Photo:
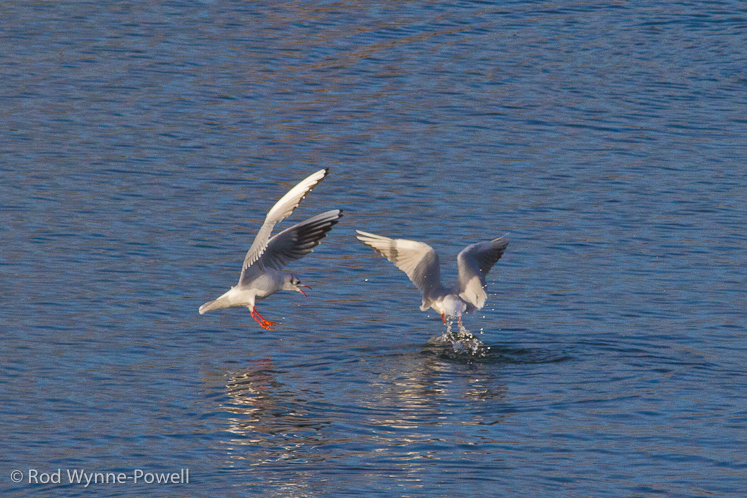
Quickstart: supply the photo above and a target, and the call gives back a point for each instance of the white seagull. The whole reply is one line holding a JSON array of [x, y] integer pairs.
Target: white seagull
[[420, 262], [261, 274]]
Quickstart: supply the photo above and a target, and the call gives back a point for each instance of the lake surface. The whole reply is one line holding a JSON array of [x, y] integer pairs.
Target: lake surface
[[143, 143]]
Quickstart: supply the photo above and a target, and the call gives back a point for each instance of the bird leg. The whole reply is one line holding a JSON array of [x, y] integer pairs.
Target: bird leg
[[459, 318], [265, 324]]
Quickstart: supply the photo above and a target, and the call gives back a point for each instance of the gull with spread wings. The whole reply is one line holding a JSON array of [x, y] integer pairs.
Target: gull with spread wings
[[420, 262], [261, 274]]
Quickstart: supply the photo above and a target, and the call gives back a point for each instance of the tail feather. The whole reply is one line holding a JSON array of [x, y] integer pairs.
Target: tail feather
[[221, 302]]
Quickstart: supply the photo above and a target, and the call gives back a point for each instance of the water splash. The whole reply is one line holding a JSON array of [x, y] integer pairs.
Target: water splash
[[461, 340]]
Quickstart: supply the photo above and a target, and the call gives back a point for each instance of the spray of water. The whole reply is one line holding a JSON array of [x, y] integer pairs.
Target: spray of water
[[461, 340]]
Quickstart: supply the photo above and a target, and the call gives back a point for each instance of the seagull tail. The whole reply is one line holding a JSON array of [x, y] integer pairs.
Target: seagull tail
[[221, 302]]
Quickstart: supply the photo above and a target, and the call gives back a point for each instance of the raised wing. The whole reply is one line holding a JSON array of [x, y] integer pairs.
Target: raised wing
[[280, 211], [475, 261], [292, 243], [418, 260]]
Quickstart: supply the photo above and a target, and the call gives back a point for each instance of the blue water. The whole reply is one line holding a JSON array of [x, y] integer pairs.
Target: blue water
[[142, 144]]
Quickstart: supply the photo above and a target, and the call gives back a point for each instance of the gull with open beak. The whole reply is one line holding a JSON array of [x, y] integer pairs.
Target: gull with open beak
[[261, 274], [420, 262]]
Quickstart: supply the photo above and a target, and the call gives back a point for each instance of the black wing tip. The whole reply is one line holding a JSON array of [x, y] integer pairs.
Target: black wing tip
[[324, 175], [332, 215], [504, 239]]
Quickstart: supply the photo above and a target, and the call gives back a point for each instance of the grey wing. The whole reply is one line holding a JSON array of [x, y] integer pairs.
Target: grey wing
[[418, 260], [280, 211], [475, 261], [293, 243]]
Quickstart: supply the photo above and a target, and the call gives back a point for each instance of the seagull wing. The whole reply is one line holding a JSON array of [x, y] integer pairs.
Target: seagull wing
[[280, 211], [418, 260], [475, 261], [292, 243]]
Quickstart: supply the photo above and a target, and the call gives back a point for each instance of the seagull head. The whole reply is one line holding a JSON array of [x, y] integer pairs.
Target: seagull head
[[292, 282]]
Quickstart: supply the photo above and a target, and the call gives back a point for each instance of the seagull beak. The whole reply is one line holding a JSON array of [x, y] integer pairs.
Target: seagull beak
[[301, 291]]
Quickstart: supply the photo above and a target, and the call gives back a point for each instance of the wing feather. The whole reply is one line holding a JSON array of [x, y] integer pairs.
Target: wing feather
[[292, 243], [280, 211], [417, 259], [475, 261]]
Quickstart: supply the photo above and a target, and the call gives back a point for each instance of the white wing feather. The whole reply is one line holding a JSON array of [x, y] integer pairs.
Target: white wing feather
[[292, 243], [280, 211], [475, 261], [418, 260]]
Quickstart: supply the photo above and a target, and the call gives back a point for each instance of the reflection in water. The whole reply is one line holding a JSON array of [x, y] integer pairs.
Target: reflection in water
[[401, 418], [428, 388], [248, 392], [266, 414]]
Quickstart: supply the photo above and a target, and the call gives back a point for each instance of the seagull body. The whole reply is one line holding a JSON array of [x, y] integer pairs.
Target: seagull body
[[421, 264], [261, 274]]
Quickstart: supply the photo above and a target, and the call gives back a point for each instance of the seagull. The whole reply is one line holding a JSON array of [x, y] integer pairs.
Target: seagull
[[261, 274], [420, 262]]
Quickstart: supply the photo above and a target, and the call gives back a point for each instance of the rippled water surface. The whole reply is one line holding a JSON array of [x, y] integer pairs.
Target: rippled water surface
[[142, 144]]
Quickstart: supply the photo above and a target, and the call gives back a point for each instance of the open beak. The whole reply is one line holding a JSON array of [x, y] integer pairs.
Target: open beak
[[302, 285]]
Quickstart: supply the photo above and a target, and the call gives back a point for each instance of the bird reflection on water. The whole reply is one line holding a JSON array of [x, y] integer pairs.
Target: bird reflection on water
[[284, 426], [287, 416]]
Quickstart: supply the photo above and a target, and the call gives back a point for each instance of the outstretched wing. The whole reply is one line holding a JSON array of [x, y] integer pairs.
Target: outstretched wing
[[418, 260], [292, 243], [280, 211], [475, 261]]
